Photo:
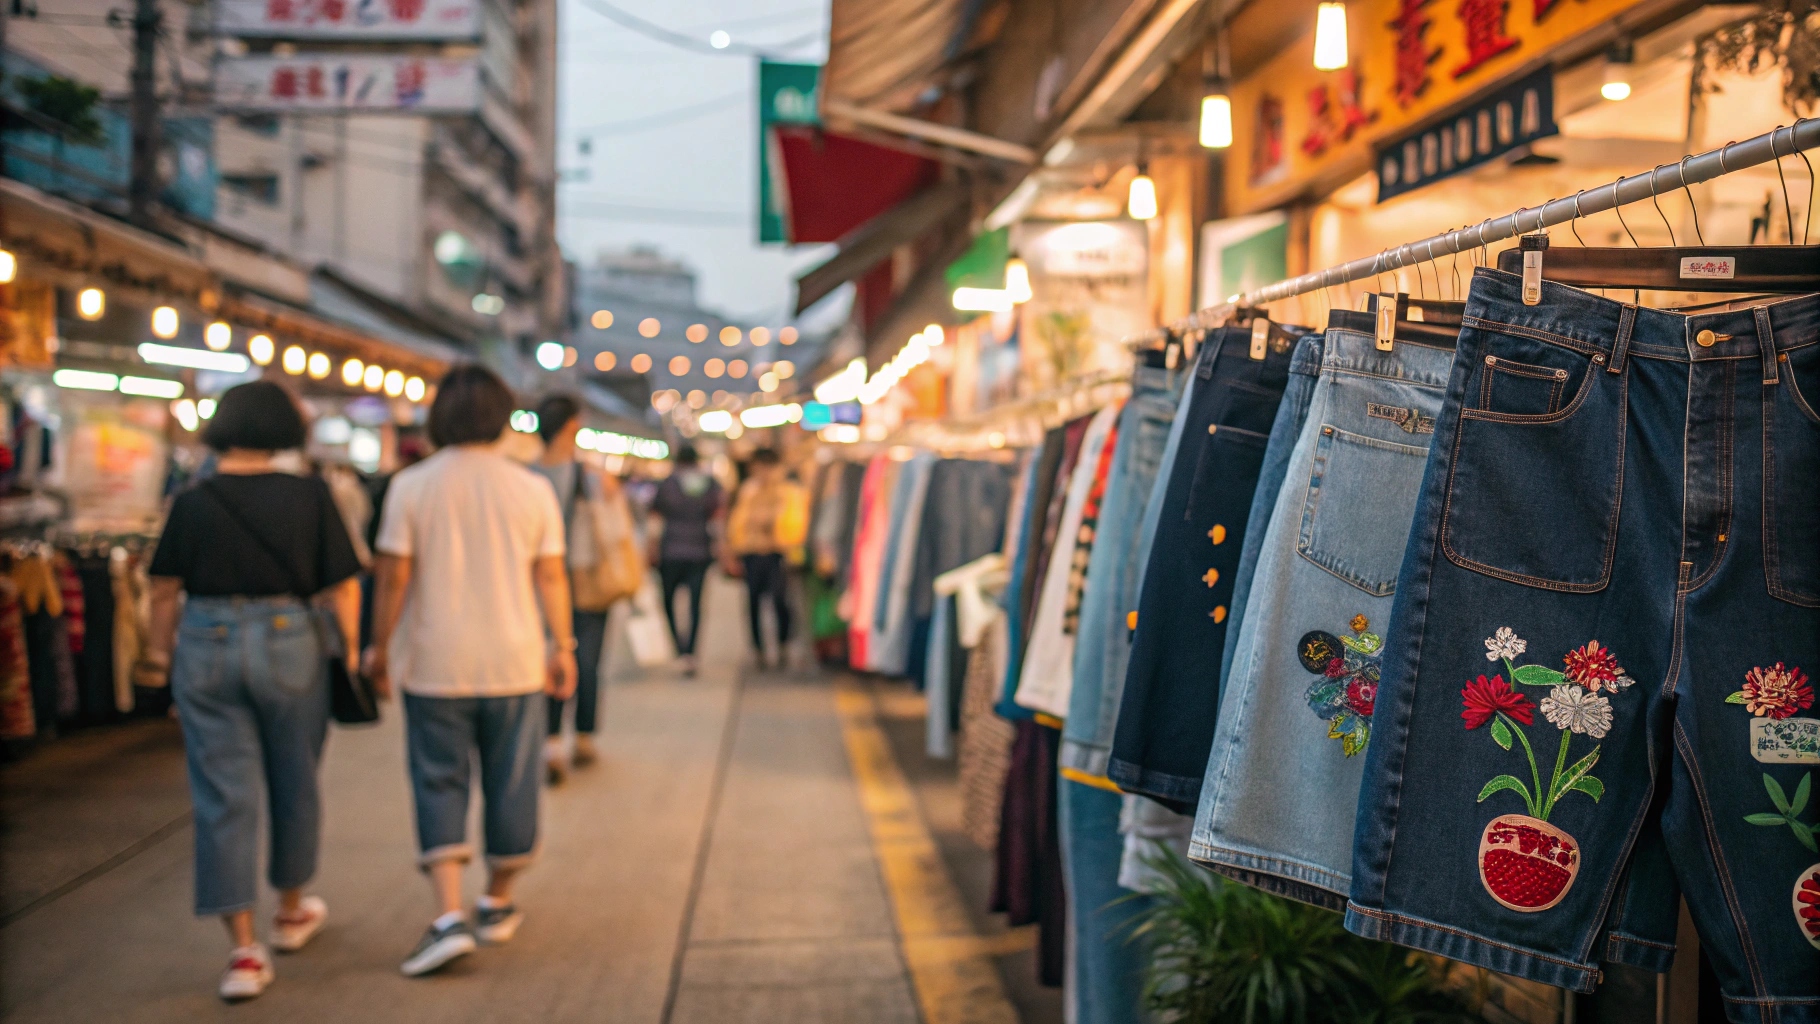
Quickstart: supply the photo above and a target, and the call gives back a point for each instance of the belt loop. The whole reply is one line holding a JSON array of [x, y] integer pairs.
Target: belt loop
[[1627, 320], [1766, 340]]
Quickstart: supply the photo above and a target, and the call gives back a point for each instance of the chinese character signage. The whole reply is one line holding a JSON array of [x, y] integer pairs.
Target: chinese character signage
[[1415, 64], [349, 19], [338, 82], [786, 95], [1504, 120]]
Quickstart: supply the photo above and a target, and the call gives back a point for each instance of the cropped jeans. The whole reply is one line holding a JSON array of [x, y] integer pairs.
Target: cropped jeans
[[253, 697]]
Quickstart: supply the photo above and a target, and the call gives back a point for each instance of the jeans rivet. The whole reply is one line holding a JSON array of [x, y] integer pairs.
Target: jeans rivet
[[1491, 360], [1705, 339]]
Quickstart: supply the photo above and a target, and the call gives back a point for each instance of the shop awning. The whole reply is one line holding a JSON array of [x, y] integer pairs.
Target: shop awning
[[836, 183], [73, 246], [883, 54], [871, 243]]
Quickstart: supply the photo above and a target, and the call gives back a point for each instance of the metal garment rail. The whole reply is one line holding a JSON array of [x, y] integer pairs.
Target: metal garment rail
[[1691, 170]]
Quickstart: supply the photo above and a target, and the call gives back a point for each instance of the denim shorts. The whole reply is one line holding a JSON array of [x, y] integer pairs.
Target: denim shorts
[[1595, 686], [1282, 781], [1103, 641], [445, 737], [1171, 697]]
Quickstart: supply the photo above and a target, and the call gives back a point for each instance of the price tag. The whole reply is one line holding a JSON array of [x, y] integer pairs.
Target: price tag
[[1260, 336]]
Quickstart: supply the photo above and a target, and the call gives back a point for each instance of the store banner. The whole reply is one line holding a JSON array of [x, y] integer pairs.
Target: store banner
[[1242, 254], [786, 96], [1414, 62], [349, 19], [343, 82], [1505, 120], [1092, 290]]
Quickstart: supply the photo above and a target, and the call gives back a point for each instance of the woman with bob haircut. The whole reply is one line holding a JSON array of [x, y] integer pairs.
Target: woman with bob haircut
[[469, 583], [250, 548]]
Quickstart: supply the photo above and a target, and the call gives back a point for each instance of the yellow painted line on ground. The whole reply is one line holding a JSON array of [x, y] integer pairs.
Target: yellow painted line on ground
[[950, 964]]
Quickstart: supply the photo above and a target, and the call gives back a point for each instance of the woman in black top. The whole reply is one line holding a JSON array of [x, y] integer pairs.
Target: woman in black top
[[250, 547]]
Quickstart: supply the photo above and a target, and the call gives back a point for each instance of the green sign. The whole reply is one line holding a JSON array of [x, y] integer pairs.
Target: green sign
[[983, 264], [786, 95]]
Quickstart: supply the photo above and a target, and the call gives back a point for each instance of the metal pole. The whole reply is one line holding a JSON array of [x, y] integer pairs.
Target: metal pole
[[142, 187], [1804, 134]]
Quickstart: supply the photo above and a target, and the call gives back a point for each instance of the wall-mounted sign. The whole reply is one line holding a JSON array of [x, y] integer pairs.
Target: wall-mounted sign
[[1412, 62], [349, 19], [340, 82], [786, 95], [1503, 120]]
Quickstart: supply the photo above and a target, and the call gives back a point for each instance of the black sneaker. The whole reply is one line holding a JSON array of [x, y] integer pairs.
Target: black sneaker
[[497, 925], [439, 946]]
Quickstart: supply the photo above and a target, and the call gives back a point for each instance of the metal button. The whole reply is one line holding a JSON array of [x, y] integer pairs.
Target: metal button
[[1705, 339]]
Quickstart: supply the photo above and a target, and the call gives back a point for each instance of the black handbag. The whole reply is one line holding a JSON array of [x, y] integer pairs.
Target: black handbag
[[353, 700]]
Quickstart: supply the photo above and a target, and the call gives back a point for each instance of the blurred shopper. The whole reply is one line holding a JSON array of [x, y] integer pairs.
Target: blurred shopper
[[688, 504], [769, 521], [470, 576], [251, 547], [558, 421]]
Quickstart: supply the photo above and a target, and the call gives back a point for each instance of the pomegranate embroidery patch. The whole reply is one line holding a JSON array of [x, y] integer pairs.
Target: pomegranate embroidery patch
[[1807, 905], [1346, 688], [1525, 863]]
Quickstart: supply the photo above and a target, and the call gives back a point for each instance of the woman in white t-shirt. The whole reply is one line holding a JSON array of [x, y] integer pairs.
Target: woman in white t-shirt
[[469, 583]]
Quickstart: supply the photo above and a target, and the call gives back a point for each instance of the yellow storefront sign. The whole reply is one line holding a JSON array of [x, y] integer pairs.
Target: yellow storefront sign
[[1300, 129]]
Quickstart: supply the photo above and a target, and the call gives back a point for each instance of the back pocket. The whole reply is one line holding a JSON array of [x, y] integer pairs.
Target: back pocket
[[1361, 500], [1791, 481]]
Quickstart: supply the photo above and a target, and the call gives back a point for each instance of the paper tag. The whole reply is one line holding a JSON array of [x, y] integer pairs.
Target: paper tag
[[1414, 314], [1708, 268], [1532, 277], [1387, 321], [1788, 741], [1260, 334]]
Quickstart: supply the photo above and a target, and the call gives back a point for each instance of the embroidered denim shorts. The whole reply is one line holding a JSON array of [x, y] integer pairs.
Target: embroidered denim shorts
[[1282, 781], [1171, 696], [1595, 685], [1103, 641]]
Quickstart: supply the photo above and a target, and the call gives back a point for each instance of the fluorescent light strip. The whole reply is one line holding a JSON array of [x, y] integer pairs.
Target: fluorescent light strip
[[85, 380], [194, 358], [151, 387]]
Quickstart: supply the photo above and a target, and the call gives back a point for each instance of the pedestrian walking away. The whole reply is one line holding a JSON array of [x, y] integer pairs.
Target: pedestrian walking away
[[244, 554], [688, 510], [473, 623], [765, 531], [558, 424]]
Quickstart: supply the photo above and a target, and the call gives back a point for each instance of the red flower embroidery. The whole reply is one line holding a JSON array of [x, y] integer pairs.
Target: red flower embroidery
[[1486, 697], [1593, 666], [1336, 667], [1362, 696], [1777, 692]]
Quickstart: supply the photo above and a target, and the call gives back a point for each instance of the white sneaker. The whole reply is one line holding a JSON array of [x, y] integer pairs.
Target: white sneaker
[[495, 926], [290, 934], [555, 760], [439, 946], [248, 973]]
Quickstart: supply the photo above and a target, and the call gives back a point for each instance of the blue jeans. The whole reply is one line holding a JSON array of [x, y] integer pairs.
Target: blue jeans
[[1103, 641], [1170, 703], [251, 692], [1108, 963], [590, 636], [1282, 784], [1595, 684], [443, 736]]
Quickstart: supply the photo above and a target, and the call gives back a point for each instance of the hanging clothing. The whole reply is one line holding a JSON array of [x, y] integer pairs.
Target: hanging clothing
[[984, 754], [17, 718]]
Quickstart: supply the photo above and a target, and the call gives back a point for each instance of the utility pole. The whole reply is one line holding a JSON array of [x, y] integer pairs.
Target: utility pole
[[142, 190]]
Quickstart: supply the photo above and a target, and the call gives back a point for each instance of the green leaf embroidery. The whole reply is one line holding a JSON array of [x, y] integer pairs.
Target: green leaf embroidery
[[1801, 792], [1580, 770], [1805, 835], [1500, 733], [1776, 795], [1736, 698], [1506, 782], [1537, 675], [1590, 786], [1765, 818]]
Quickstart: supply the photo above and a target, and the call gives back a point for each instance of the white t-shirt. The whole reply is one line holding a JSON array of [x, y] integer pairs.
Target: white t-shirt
[[472, 521]]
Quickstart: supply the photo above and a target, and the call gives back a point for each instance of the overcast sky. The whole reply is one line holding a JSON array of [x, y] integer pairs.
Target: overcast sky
[[674, 158]]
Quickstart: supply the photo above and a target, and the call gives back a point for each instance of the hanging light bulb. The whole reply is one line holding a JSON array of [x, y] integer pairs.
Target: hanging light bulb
[[9, 266], [260, 348], [1141, 202], [91, 303], [218, 336], [1216, 98], [164, 322], [1330, 37], [1619, 60], [1017, 281]]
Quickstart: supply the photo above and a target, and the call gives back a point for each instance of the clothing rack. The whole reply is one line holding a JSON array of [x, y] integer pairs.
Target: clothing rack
[[1782, 141]]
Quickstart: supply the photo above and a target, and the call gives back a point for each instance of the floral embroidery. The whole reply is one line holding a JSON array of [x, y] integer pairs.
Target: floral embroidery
[[1345, 691], [1776, 692], [1525, 863], [1788, 812], [1574, 709]]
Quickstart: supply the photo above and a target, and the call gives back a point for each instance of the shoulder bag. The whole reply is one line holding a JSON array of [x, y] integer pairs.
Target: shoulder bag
[[352, 698]]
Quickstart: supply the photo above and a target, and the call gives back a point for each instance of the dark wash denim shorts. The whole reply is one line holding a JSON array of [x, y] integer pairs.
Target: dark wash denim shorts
[[1595, 694]]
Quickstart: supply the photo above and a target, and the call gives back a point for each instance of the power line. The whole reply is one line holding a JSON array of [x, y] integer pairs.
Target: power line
[[588, 209], [686, 42], [667, 117]]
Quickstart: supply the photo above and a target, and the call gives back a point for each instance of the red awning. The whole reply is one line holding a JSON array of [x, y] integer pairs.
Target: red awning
[[836, 183]]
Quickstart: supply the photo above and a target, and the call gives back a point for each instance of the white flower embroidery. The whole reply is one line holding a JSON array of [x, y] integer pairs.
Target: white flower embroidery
[[1572, 707], [1505, 645], [1619, 683]]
